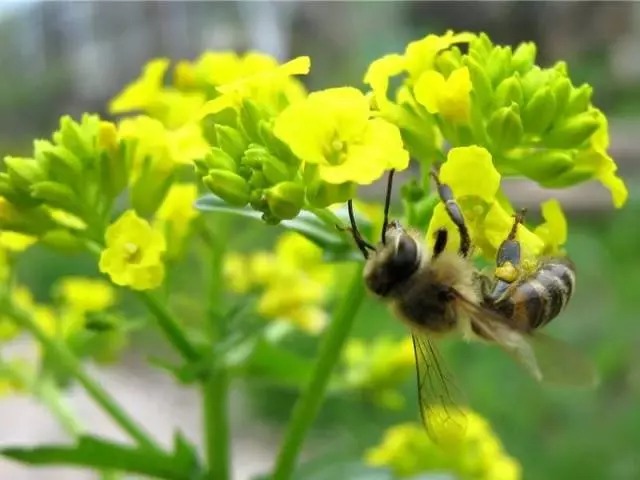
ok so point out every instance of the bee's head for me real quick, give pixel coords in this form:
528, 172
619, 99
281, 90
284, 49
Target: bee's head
394, 259
392, 262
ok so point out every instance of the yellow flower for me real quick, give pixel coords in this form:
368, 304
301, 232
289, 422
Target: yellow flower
16, 242
379, 73
83, 295
133, 253
175, 215
379, 368
143, 92
408, 451
270, 85
475, 183
420, 55
333, 129
166, 148
553, 231
450, 97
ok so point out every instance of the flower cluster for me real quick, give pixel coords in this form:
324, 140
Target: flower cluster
407, 450
502, 116
378, 368
293, 281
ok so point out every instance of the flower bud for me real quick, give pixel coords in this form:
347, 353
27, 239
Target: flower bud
561, 90
255, 156
579, 100
276, 146
533, 81
56, 194
481, 83
217, 158
524, 57
543, 165
149, 191
23, 171
15, 195
321, 194
573, 131
285, 199
62, 240
230, 187
71, 136
107, 136
539, 112
31, 221
275, 171
505, 128
230, 141
498, 63
115, 170
62, 163
448, 61
509, 91
250, 116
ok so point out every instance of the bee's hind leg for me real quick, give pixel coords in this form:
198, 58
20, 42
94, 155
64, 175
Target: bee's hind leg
454, 212
508, 258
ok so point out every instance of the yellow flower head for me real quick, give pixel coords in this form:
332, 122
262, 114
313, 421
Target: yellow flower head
475, 183
408, 451
379, 73
143, 92
379, 368
333, 129
85, 294
133, 253
264, 81
420, 55
451, 97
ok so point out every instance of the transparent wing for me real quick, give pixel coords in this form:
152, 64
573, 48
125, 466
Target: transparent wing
547, 359
439, 399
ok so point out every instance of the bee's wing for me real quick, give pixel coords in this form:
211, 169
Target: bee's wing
547, 359
439, 399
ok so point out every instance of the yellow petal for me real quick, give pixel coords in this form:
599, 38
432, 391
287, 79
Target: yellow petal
347, 106
616, 186
388, 139
379, 73
497, 225
428, 89
556, 221
439, 220
469, 171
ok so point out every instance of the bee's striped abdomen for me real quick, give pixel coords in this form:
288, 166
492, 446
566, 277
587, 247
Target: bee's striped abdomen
539, 298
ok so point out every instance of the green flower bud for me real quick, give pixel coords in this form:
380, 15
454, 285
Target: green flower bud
258, 201
258, 180
524, 57
217, 158
23, 171
505, 128
279, 148
230, 141
539, 112
498, 64
62, 240
543, 165
230, 187
256, 156
579, 100
62, 163
29, 220
115, 170
568, 179
481, 83
250, 117
15, 195
56, 195
150, 189
509, 91
534, 80
573, 131
448, 61
275, 171
73, 138
561, 90
285, 199
322, 195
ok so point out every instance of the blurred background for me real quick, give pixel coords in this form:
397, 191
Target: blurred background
72, 57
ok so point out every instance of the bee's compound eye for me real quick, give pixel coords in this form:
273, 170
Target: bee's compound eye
406, 254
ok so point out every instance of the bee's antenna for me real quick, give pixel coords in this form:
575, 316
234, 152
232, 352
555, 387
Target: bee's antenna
362, 244
387, 203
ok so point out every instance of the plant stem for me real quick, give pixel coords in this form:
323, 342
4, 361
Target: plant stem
215, 389
170, 326
67, 360
308, 404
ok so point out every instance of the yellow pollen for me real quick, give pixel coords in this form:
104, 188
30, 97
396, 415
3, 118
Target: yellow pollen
337, 145
507, 272
133, 252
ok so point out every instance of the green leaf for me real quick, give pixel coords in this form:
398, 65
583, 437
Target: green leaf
337, 245
95, 453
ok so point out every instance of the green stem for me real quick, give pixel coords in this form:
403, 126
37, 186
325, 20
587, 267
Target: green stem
67, 360
215, 389
173, 331
308, 404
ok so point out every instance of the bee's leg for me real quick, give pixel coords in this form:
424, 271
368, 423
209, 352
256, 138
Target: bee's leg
508, 258
454, 212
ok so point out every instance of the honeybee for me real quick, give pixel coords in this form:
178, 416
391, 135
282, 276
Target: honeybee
436, 292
